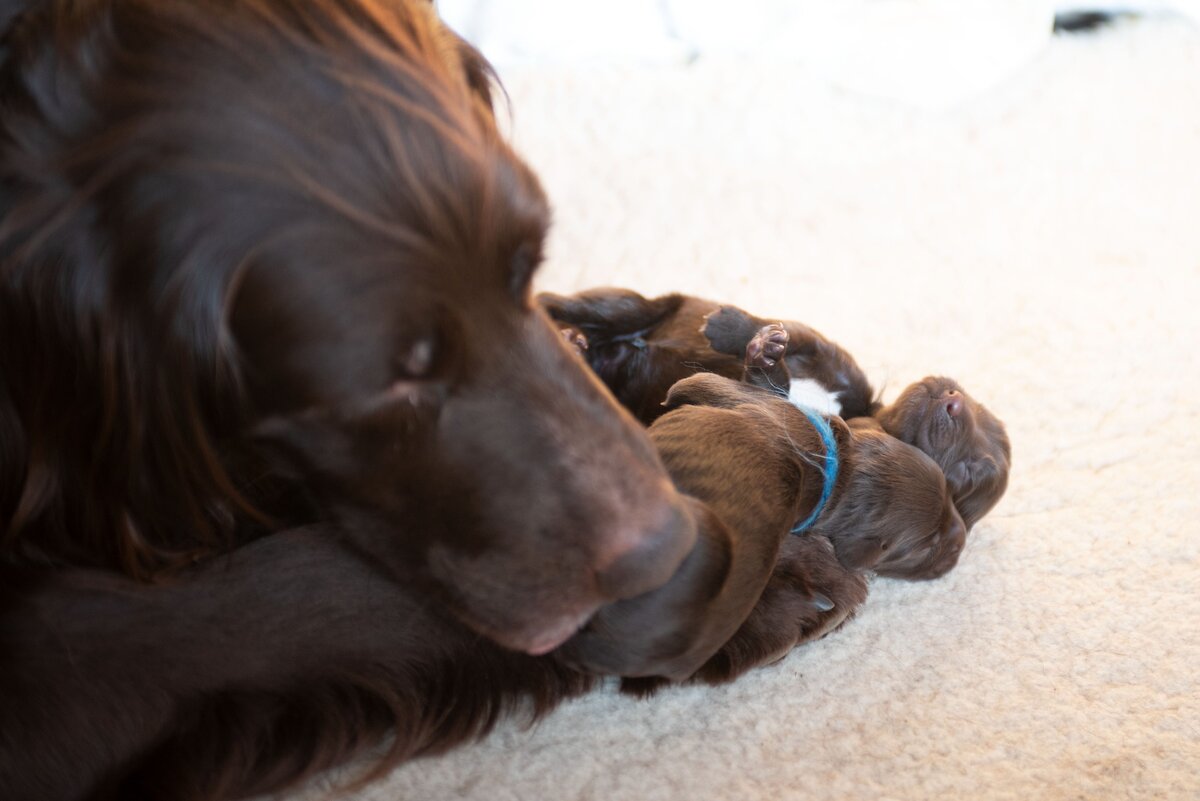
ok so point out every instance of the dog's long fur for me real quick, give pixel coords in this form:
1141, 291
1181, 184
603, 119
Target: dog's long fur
265, 264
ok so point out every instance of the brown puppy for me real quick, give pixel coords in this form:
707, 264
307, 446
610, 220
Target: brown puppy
639, 346
760, 468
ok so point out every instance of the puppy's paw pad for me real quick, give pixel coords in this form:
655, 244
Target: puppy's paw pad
767, 346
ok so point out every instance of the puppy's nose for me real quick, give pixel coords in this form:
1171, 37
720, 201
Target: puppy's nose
953, 400
648, 559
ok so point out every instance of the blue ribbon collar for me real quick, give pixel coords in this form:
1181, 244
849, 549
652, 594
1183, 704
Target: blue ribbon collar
830, 471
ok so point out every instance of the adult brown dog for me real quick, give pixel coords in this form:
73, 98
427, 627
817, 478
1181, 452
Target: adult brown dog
264, 264
269, 261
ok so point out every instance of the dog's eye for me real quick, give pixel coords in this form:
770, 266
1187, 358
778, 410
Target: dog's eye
521, 267
417, 360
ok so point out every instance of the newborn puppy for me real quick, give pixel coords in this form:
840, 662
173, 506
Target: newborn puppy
935, 414
758, 468
640, 346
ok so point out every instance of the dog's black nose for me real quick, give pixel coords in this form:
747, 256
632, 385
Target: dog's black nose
646, 559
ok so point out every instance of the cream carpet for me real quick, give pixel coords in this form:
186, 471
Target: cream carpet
1041, 244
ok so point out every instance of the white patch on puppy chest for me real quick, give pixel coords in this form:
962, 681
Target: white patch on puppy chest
807, 393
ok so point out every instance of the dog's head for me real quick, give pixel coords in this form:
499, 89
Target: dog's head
963, 437
894, 515
274, 255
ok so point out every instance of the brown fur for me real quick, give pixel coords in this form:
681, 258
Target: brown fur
266, 264
749, 459
641, 346
275, 313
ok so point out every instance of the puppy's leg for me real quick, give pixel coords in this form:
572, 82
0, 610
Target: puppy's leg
809, 595
709, 389
764, 366
609, 313
672, 630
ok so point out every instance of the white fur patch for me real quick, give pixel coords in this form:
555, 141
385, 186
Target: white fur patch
808, 393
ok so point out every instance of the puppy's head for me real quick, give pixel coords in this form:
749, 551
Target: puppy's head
298, 245
894, 515
963, 437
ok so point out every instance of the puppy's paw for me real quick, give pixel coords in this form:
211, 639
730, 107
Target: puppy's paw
728, 330
809, 595
767, 346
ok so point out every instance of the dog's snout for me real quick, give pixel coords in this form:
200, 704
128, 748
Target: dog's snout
644, 557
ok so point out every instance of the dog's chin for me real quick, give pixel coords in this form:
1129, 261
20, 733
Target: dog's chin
538, 638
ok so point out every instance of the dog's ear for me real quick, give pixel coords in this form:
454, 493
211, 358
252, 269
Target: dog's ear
11, 12
481, 75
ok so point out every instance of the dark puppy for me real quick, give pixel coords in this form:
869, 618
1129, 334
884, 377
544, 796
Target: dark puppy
760, 468
265, 263
639, 346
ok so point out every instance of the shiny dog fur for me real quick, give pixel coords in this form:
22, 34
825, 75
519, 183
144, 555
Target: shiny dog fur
280, 314
263, 264
641, 346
